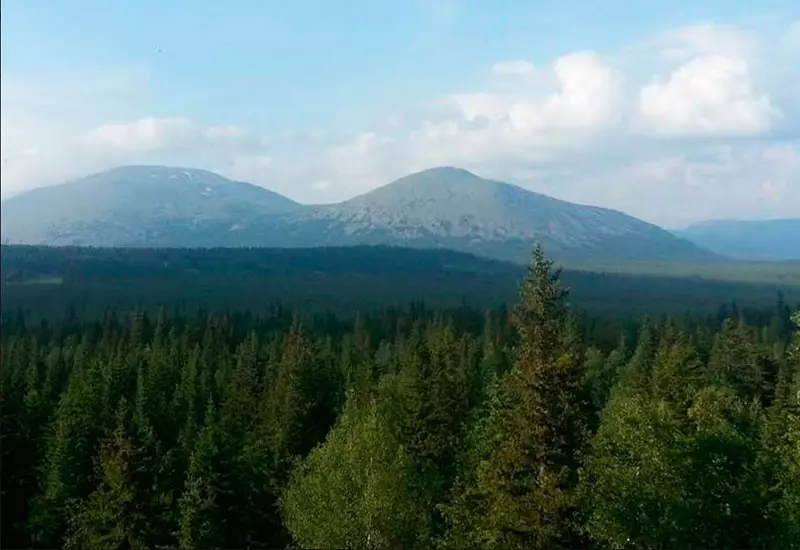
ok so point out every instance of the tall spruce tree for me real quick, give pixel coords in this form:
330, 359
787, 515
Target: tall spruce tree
113, 515
524, 490
782, 453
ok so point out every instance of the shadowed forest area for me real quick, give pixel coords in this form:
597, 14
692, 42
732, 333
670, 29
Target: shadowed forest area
414, 427
47, 282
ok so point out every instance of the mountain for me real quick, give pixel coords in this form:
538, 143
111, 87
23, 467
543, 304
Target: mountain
137, 206
750, 240
437, 208
453, 208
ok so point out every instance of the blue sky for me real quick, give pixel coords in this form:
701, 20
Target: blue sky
615, 103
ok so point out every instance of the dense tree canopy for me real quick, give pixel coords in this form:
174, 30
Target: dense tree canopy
412, 428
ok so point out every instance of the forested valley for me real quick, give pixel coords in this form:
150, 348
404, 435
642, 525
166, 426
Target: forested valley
536, 426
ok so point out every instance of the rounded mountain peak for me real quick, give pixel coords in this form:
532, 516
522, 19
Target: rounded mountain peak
434, 184
441, 176
144, 174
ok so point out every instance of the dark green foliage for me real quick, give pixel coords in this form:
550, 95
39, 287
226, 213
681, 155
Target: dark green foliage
416, 428
116, 515
524, 486
46, 282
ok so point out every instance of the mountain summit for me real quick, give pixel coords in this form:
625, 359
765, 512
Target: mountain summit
136, 206
436, 208
453, 208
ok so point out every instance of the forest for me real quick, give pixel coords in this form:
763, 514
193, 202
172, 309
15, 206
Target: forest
47, 282
533, 426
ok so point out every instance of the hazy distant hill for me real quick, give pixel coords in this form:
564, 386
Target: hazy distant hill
453, 208
752, 240
147, 206
137, 206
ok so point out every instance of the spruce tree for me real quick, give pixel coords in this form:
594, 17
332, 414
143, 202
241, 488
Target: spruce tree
782, 453
524, 489
202, 504
68, 474
112, 517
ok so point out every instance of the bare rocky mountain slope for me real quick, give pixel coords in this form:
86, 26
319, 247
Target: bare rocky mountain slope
156, 206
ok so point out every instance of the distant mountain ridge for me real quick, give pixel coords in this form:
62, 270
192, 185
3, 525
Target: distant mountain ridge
156, 206
453, 208
749, 240
136, 206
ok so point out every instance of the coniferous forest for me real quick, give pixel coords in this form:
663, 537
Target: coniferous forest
527, 427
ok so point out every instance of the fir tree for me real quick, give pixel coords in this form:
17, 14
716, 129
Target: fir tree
112, 517
524, 489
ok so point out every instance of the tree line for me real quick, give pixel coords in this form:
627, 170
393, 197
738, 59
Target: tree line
45, 282
525, 428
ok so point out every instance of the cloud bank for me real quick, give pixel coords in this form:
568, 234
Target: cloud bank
695, 123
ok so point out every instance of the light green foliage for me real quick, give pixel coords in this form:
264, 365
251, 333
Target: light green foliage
675, 460
663, 476
633, 484
352, 491
722, 483
790, 483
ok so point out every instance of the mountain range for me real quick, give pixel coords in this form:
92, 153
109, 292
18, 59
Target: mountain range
157, 206
749, 240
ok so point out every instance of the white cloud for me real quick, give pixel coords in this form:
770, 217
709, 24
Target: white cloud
149, 140
603, 129
589, 93
697, 122
711, 95
41, 117
678, 186
151, 134
580, 92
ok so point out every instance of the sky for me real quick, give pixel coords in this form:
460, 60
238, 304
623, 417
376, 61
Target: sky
674, 112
